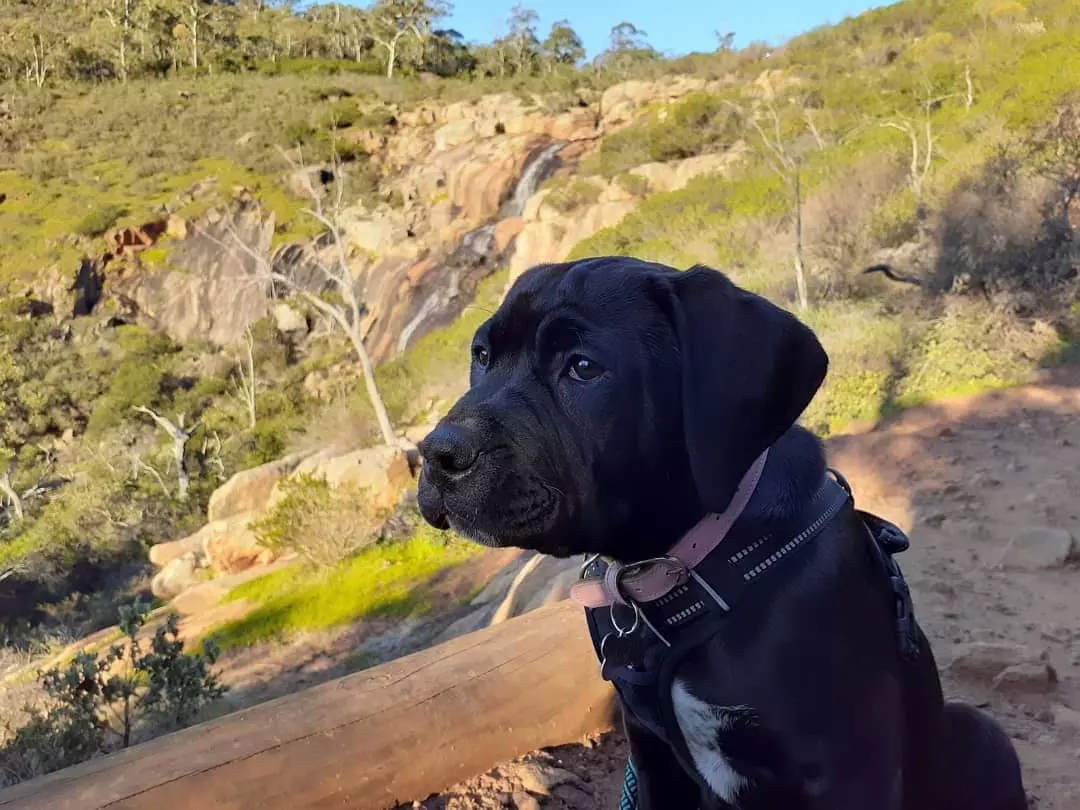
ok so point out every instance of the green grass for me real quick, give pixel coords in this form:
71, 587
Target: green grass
383, 580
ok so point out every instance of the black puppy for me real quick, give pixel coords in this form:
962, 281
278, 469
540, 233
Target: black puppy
613, 404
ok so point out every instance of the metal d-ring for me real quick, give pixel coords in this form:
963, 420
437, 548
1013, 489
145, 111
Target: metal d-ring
623, 632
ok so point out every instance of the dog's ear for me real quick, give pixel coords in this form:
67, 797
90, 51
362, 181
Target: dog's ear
749, 369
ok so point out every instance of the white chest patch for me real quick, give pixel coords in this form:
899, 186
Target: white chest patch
701, 725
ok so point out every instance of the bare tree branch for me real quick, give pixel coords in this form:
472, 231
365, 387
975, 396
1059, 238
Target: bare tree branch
349, 313
179, 435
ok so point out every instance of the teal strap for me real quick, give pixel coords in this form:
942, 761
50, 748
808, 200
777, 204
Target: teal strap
629, 788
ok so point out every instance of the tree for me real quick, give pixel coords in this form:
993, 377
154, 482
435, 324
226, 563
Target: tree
121, 16
563, 46
111, 694
247, 384
628, 47
390, 20
522, 39
347, 311
787, 164
920, 133
447, 54
628, 37
197, 15
179, 435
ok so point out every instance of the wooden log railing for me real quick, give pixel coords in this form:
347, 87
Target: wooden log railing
391, 734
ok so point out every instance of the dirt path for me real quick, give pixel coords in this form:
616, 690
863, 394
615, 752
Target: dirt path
967, 477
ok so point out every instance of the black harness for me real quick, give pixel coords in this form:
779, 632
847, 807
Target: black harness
640, 645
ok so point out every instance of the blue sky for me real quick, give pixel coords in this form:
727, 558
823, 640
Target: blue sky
674, 26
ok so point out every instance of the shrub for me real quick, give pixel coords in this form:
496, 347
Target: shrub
342, 114
569, 195
1002, 231
700, 123
324, 524
100, 220
100, 699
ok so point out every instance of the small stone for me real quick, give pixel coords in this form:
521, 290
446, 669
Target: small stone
1056, 632
523, 801
934, 520
985, 660
1039, 548
1028, 678
1064, 717
542, 779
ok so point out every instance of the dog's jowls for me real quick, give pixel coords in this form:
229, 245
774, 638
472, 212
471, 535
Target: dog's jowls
613, 403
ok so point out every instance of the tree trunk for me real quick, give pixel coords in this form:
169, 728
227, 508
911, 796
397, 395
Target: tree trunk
800, 272
391, 57
183, 477
195, 42
12, 496
377, 404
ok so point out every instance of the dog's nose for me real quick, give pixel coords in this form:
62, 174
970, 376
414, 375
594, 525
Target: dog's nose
451, 448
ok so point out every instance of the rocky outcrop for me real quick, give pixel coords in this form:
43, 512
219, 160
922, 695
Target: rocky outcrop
209, 291
549, 234
249, 490
227, 544
380, 473
620, 104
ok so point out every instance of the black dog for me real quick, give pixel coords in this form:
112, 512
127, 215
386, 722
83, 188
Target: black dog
613, 404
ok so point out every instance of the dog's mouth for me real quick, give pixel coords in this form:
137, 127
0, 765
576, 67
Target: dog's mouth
521, 514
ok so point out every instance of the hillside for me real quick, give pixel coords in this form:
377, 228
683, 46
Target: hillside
203, 238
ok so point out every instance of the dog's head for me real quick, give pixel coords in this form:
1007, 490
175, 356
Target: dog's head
612, 403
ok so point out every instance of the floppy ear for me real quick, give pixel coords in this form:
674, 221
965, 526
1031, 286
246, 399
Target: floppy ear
749, 369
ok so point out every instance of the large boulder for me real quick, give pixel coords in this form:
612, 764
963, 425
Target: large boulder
620, 102
383, 472
161, 554
675, 174
231, 544
249, 490
177, 576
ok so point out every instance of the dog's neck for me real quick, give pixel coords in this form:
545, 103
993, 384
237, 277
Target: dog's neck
792, 475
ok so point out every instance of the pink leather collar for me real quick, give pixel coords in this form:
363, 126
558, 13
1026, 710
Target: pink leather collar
650, 580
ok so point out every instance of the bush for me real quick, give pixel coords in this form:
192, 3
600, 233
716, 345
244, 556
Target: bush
342, 114
324, 524
699, 124
108, 697
1003, 232
569, 195
100, 220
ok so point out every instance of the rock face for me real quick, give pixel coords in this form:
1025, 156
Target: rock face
459, 175
382, 473
529, 582
213, 293
549, 235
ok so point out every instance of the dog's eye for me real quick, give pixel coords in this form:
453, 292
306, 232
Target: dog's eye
583, 369
481, 356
